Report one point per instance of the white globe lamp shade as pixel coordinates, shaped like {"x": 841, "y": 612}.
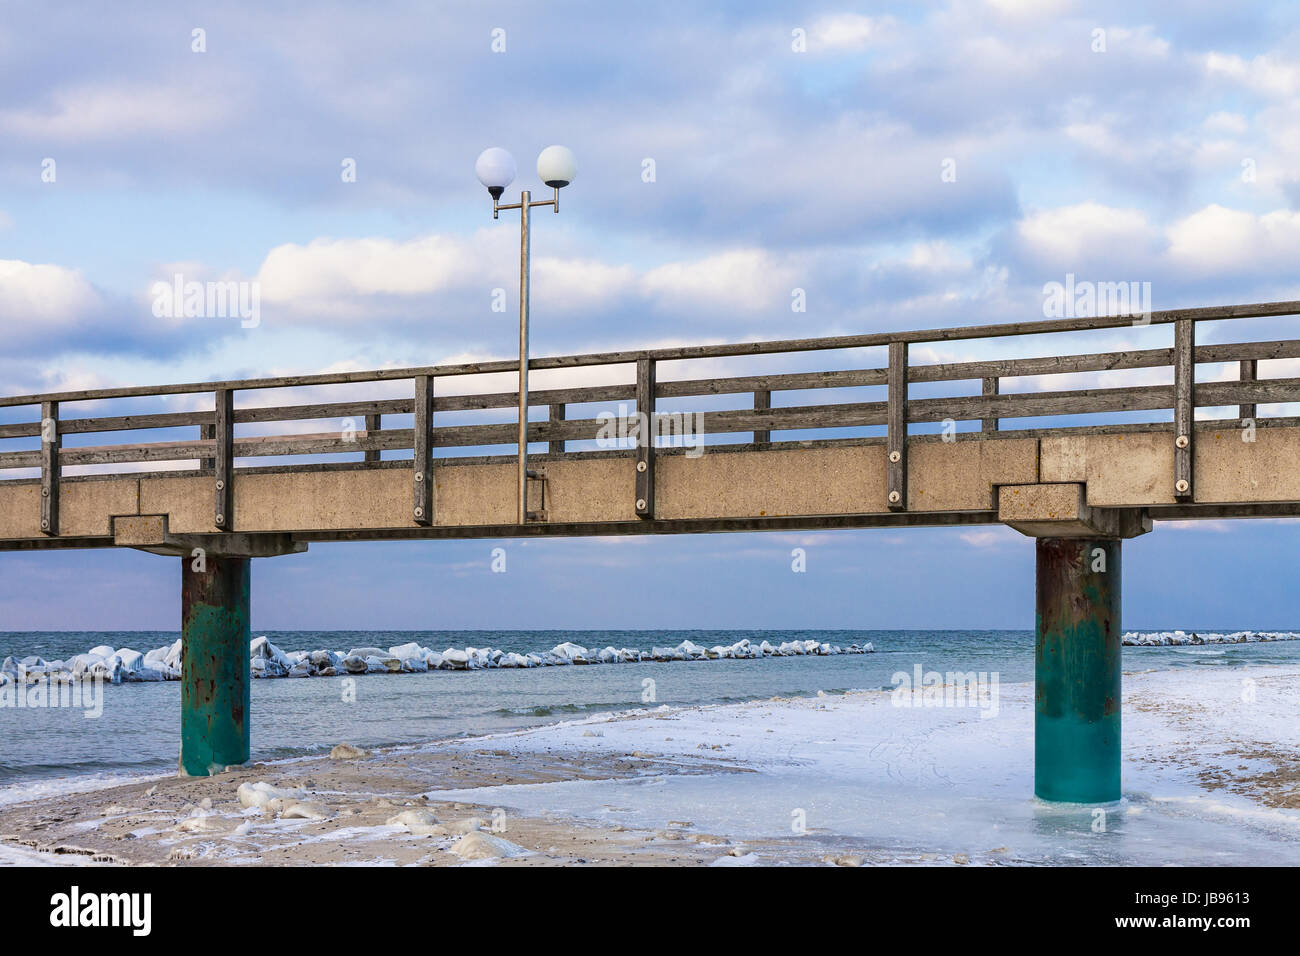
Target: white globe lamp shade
{"x": 495, "y": 169}
{"x": 556, "y": 166}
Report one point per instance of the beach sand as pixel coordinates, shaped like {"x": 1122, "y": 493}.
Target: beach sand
{"x": 198, "y": 821}
{"x": 1210, "y": 776}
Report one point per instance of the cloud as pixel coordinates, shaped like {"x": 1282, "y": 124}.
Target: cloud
{"x": 328, "y": 273}
{"x": 47, "y": 296}
{"x": 1266, "y": 73}
{"x": 1087, "y": 232}
{"x": 989, "y": 538}
{"x": 1224, "y": 241}
{"x": 846, "y": 32}
{"x": 747, "y": 279}
{"x": 97, "y": 112}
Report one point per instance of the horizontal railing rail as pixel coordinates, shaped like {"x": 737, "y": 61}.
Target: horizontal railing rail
{"x": 216, "y": 446}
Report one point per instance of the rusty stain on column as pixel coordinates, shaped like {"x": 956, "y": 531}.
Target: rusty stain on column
{"x": 215, "y": 673}
{"x": 1077, "y": 670}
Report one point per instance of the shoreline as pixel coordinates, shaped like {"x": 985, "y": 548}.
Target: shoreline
{"x": 718, "y": 784}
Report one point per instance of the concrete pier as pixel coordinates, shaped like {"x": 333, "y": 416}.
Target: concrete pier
{"x": 1077, "y": 670}
{"x": 215, "y": 671}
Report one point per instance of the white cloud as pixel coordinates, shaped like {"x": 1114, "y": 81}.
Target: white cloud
{"x": 1030, "y": 8}
{"x": 1219, "y": 240}
{"x": 846, "y": 31}
{"x": 749, "y": 279}
{"x": 346, "y": 278}
{"x": 1224, "y": 122}
{"x": 47, "y": 294}
{"x": 326, "y": 269}
{"x": 580, "y": 284}
{"x": 1266, "y": 73}
{"x": 1085, "y": 231}
{"x": 102, "y": 111}
{"x": 990, "y": 538}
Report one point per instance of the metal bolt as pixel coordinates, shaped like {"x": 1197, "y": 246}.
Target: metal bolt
{"x": 640, "y": 466}
{"x": 895, "y": 457}
{"x": 1181, "y": 486}
{"x": 45, "y": 523}
{"x": 419, "y": 476}
{"x": 895, "y": 497}
{"x": 220, "y": 485}
{"x": 640, "y": 504}
{"x": 1182, "y": 441}
{"x": 45, "y": 492}
{"x": 419, "y": 512}
{"x": 221, "y": 519}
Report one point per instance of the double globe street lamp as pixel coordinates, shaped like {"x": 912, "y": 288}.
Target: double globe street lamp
{"x": 495, "y": 168}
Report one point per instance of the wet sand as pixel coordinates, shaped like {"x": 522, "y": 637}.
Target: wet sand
{"x": 200, "y": 821}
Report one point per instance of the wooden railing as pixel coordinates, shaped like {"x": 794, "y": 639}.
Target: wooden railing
{"x": 216, "y": 447}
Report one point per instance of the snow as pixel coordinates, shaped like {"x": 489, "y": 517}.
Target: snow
{"x": 268, "y": 661}
{"x": 895, "y": 784}
{"x": 1179, "y": 638}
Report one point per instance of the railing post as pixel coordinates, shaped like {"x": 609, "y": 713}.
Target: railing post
{"x": 645, "y": 438}
{"x": 423, "y": 464}
{"x": 897, "y": 441}
{"x": 1184, "y": 405}
{"x": 224, "y": 467}
{"x": 50, "y": 467}
{"x": 557, "y": 415}
{"x": 990, "y": 425}
{"x": 373, "y": 425}
{"x": 762, "y": 403}
{"x": 1249, "y": 372}
{"x": 207, "y": 433}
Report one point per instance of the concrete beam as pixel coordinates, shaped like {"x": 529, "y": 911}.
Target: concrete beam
{"x": 1062, "y": 511}
{"x": 1233, "y": 465}
{"x": 150, "y": 533}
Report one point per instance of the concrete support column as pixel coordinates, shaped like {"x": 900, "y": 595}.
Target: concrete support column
{"x": 215, "y": 672}
{"x": 1077, "y": 670}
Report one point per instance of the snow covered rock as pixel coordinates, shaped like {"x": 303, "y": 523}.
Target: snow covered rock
{"x": 484, "y": 846}
{"x": 260, "y": 794}
{"x": 419, "y": 822}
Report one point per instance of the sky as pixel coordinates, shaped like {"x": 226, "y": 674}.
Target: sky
{"x": 905, "y": 165}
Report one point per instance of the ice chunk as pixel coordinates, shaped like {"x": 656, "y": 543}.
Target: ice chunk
{"x": 260, "y": 794}
{"x": 419, "y": 822}
{"x": 484, "y": 846}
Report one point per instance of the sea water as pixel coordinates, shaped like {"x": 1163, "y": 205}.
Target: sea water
{"x": 139, "y": 730}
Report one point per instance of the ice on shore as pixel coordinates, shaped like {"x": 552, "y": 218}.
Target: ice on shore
{"x": 1181, "y": 638}
{"x": 418, "y": 822}
{"x": 1204, "y": 778}
{"x": 268, "y": 661}
{"x": 477, "y": 845}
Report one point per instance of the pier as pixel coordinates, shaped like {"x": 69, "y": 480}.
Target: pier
{"x": 230, "y": 478}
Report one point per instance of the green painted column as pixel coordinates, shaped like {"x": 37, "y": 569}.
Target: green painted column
{"x": 1077, "y": 670}
{"x": 214, "y": 672}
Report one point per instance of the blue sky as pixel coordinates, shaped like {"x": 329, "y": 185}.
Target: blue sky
{"x": 1171, "y": 156}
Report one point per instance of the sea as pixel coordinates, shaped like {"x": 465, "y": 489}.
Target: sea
{"x": 138, "y": 730}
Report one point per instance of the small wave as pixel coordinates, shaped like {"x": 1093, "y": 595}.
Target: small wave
{"x": 551, "y": 710}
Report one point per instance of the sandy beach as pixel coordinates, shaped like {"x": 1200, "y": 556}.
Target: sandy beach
{"x": 1210, "y": 775}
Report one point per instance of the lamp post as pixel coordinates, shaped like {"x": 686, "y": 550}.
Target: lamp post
{"x": 495, "y": 169}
